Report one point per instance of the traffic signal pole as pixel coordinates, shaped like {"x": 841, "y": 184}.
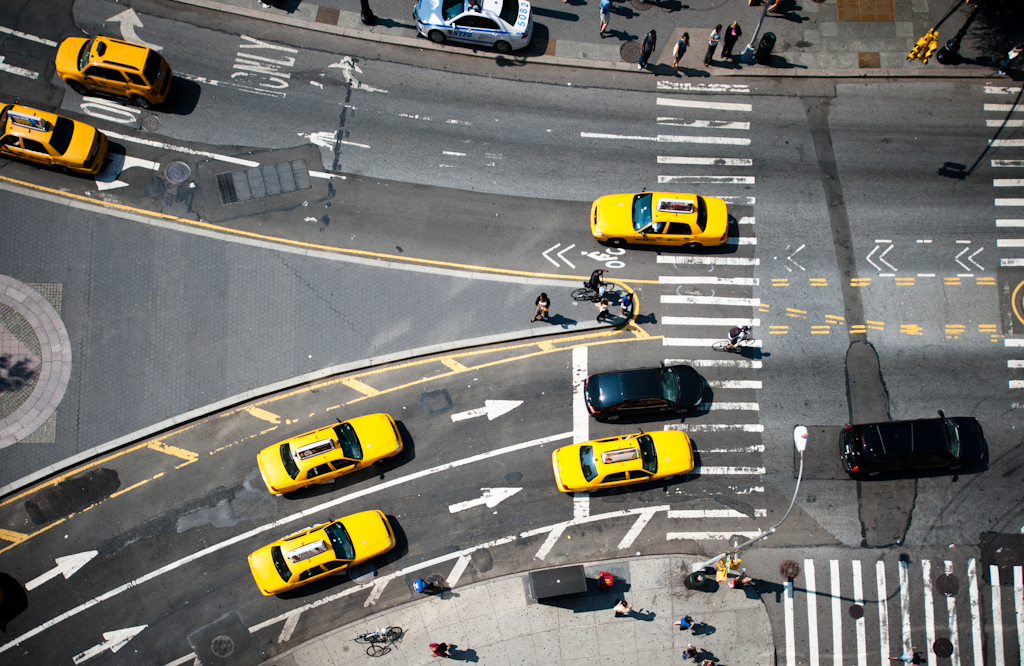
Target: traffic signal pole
{"x": 748, "y": 53}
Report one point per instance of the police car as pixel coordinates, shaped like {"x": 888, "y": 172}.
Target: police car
{"x": 507, "y": 24}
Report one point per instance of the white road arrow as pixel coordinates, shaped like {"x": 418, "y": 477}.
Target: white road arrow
{"x": 112, "y": 640}
{"x": 881, "y": 257}
{"x": 790, "y": 258}
{"x": 492, "y": 408}
{"x": 66, "y": 565}
{"x": 492, "y": 497}
{"x": 973, "y": 255}
{"x": 129, "y": 20}
{"x": 962, "y": 253}
{"x": 559, "y": 255}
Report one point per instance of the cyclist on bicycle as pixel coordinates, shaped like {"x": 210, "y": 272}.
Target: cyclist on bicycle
{"x": 738, "y": 334}
{"x": 595, "y": 284}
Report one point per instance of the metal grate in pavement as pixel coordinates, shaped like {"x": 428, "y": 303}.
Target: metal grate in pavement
{"x": 264, "y": 181}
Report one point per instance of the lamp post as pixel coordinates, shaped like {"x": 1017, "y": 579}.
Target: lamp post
{"x": 949, "y": 53}
{"x": 748, "y": 53}
{"x": 800, "y": 441}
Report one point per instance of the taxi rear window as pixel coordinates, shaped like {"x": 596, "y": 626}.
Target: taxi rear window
{"x": 83, "y": 55}
{"x": 60, "y": 138}
{"x": 152, "y": 68}
{"x": 702, "y": 213}
{"x": 509, "y": 11}
{"x": 588, "y": 463}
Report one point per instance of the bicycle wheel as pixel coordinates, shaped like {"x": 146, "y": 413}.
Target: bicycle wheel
{"x": 721, "y": 346}
{"x": 363, "y": 638}
{"x": 378, "y": 650}
{"x": 394, "y": 633}
{"x": 583, "y": 294}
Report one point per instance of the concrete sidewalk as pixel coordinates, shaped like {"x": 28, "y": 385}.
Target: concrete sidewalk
{"x": 835, "y": 38}
{"x": 495, "y": 622}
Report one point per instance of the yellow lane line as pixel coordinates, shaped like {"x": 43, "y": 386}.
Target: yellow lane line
{"x": 188, "y": 456}
{"x": 12, "y": 536}
{"x": 263, "y": 415}
{"x": 38, "y": 532}
{"x": 136, "y": 485}
{"x": 454, "y": 365}
{"x": 357, "y": 385}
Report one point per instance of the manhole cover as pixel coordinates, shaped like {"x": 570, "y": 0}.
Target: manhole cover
{"x": 789, "y": 570}
{"x": 1005, "y": 557}
{"x": 178, "y": 172}
{"x": 151, "y": 123}
{"x": 947, "y": 584}
{"x": 640, "y": 5}
{"x": 630, "y": 51}
{"x": 222, "y": 646}
{"x": 856, "y": 611}
{"x": 942, "y": 647}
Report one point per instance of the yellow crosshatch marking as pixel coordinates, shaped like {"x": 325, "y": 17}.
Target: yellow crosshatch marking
{"x": 780, "y": 282}
{"x": 905, "y": 281}
{"x": 764, "y": 307}
{"x": 986, "y": 281}
{"x": 793, "y": 312}
{"x": 353, "y": 383}
{"x": 821, "y": 330}
{"x": 546, "y": 346}
{"x": 860, "y": 282}
{"x": 858, "y": 328}
{"x": 876, "y": 325}
{"x": 819, "y": 282}
{"x": 835, "y": 320}
{"x": 986, "y": 328}
{"x": 269, "y": 417}
{"x": 778, "y": 330}
{"x": 13, "y": 537}
{"x": 187, "y": 456}
{"x": 453, "y": 364}
{"x": 953, "y": 331}
{"x": 951, "y": 280}
{"x": 639, "y": 332}
{"x": 911, "y": 329}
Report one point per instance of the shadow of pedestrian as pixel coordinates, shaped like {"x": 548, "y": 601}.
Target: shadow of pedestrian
{"x": 462, "y": 655}
{"x": 646, "y": 319}
{"x": 559, "y": 320}
{"x": 643, "y": 615}
{"x": 778, "y": 62}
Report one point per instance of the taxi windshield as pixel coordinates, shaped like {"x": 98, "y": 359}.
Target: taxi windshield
{"x": 60, "y": 138}
{"x": 349, "y": 442}
{"x": 343, "y": 549}
{"x": 288, "y": 461}
{"x": 83, "y": 55}
{"x": 648, "y": 456}
{"x": 588, "y": 463}
{"x": 509, "y": 11}
{"x": 641, "y": 211}
{"x": 451, "y": 8}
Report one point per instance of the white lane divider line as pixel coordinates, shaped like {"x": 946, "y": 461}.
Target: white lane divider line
{"x": 714, "y": 363}
{"x": 954, "y": 635}
{"x": 697, "y": 514}
{"x": 975, "y": 599}
{"x": 997, "y": 616}
{"x": 686, "y": 86}
{"x": 17, "y": 71}
{"x": 683, "y": 260}
{"x": 555, "y": 531}
{"x": 580, "y": 416}
{"x": 714, "y": 140}
{"x": 704, "y": 124}
{"x": 905, "y": 604}
{"x": 735, "y": 384}
{"x": 706, "y": 470}
{"x": 929, "y": 609}
{"x": 739, "y": 201}
{"x": 883, "y": 614}
{"x": 811, "y": 593}
{"x": 860, "y": 624}
{"x": 708, "y": 279}
{"x": 707, "y": 161}
{"x": 181, "y": 149}
{"x": 837, "y": 614}
{"x": 698, "y": 104}
{"x": 289, "y": 627}
{"x": 787, "y": 605}
{"x": 710, "y": 321}
{"x": 741, "y": 240}
{"x": 638, "y": 525}
{"x": 712, "y": 180}
{"x": 709, "y": 536}
{"x": 687, "y": 299}
{"x": 26, "y": 36}
{"x": 722, "y": 427}
{"x": 1018, "y": 603}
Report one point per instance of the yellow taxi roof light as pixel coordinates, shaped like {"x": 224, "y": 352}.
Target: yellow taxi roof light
{"x": 619, "y": 455}
{"x": 29, "y": 121}
{"x": 675, "y": 206}
{"x": 314, "y": 449}
{"x": 307, "y": 551}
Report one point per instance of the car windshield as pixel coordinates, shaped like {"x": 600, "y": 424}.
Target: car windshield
{"x": 702, "y": 213}
{"x": 349, "y": 442}
{"x": 509, "y": 11}
{"x": 648, "y": 456}
{"x": 83, "y": 55}
{"x": 452, "y": 8}
{"x": 288, "y": 461}
{"x": 588, "y": 463}
{"x": 152, "y": 69}
{"x": 952, "y": 438}
{"x": 343, "y": 548}
{"x": 669, "y": 384}
{"x": 279, "y": 563}
{"x": 60, "y": 138}
{"x": 642, "y": 211}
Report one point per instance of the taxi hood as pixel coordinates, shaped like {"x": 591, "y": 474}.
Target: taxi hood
{"x": 615, "y": 214}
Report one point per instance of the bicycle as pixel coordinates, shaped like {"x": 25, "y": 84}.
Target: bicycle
{"x": 723, "y": 345}
{"x": 380, "y": 641}
{"x": 587, "y": 294}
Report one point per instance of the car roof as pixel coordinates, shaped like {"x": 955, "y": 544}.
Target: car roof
{"x": 613, "y": 387}
{"x": 17, "y": 129}
{"x": 904, "y": 438}
{"x": 119, "y": 53}
{"x": 431, "y": 9}
{"x": 313, "y": 448}
{"x": 609, "y": 459}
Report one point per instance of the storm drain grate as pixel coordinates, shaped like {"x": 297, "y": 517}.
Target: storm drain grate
{"x": 264, "y": 181}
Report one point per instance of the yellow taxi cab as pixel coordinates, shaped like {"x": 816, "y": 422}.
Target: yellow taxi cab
{"x": 327, "y": 453}
{"x": 114, "y": 67}
{"x": 51, "y": 140}
{"x": 320, "y": 551}
{"x": 660, "y": 218}
{"x": 621, "y": 461}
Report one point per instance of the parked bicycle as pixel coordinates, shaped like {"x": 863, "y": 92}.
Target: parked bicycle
{"x": 380, "y": 641}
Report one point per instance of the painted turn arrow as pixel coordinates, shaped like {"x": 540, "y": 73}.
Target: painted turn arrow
{"x": 129, "y": 20}
{"x": 492, "y": 497}
{"x": 112, "y": 640}
{"x": 66, "y": 565}
{"x": 492, "y": 408}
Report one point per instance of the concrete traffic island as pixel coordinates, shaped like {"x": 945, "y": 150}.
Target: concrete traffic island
{"x": 496, "y": 622}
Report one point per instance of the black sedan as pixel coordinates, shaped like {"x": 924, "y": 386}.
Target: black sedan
{"x": 625, "y": 393}
{"x": 902, "y": 446}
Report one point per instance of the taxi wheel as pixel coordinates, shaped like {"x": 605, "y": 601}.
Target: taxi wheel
{"x": 617, "y": 242}
{"x": 141, "y": 102}
{"x": 503, "y": 47}
{"x": 436, "y": 36}
{"x": 78, "y": 88}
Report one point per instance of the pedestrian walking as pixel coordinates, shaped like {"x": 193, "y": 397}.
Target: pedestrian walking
{"x": 685, "y": 623}
{"x": 691, "y": 653}
{"x": 1013, "y": 53}
{"x": 707, "y": 662}
{"x": 741, "y": 581}
{"x": 606, "y": 14}
{"x": 622, "y": 608}
{"x": 542, "y": 306}
{"x": 647, "y": 48}
{"x": 626, "y": 304}
{"x": 602, "y": 310}
{"x": 716, "y": 35}
{"x": 907, "y": 657}
{"x": 440, "y": 650}
{"x": 679, "y": 50}
{"x": 729, "y": 39}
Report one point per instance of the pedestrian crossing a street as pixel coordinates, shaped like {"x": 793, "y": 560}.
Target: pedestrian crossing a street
{"x": 935, "y": 610}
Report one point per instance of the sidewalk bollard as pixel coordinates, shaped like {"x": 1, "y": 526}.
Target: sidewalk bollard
{"x": 695, "y": 581}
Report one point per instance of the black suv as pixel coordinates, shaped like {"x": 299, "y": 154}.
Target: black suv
{"x": 900, "y": 446}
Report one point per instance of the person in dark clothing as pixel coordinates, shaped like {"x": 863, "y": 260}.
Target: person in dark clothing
{"x": 647, "y": 48}
{"x": 729, "y": 39}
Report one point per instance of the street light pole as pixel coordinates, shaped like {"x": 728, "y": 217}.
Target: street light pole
{"x": 748, "y": 53}
{"x": 949, "y": 53}
{"x": 800, "y": 441}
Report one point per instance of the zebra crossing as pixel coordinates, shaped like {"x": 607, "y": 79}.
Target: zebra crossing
{"x": 863, "y": 615}
{"x": 1009, "y": 209}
